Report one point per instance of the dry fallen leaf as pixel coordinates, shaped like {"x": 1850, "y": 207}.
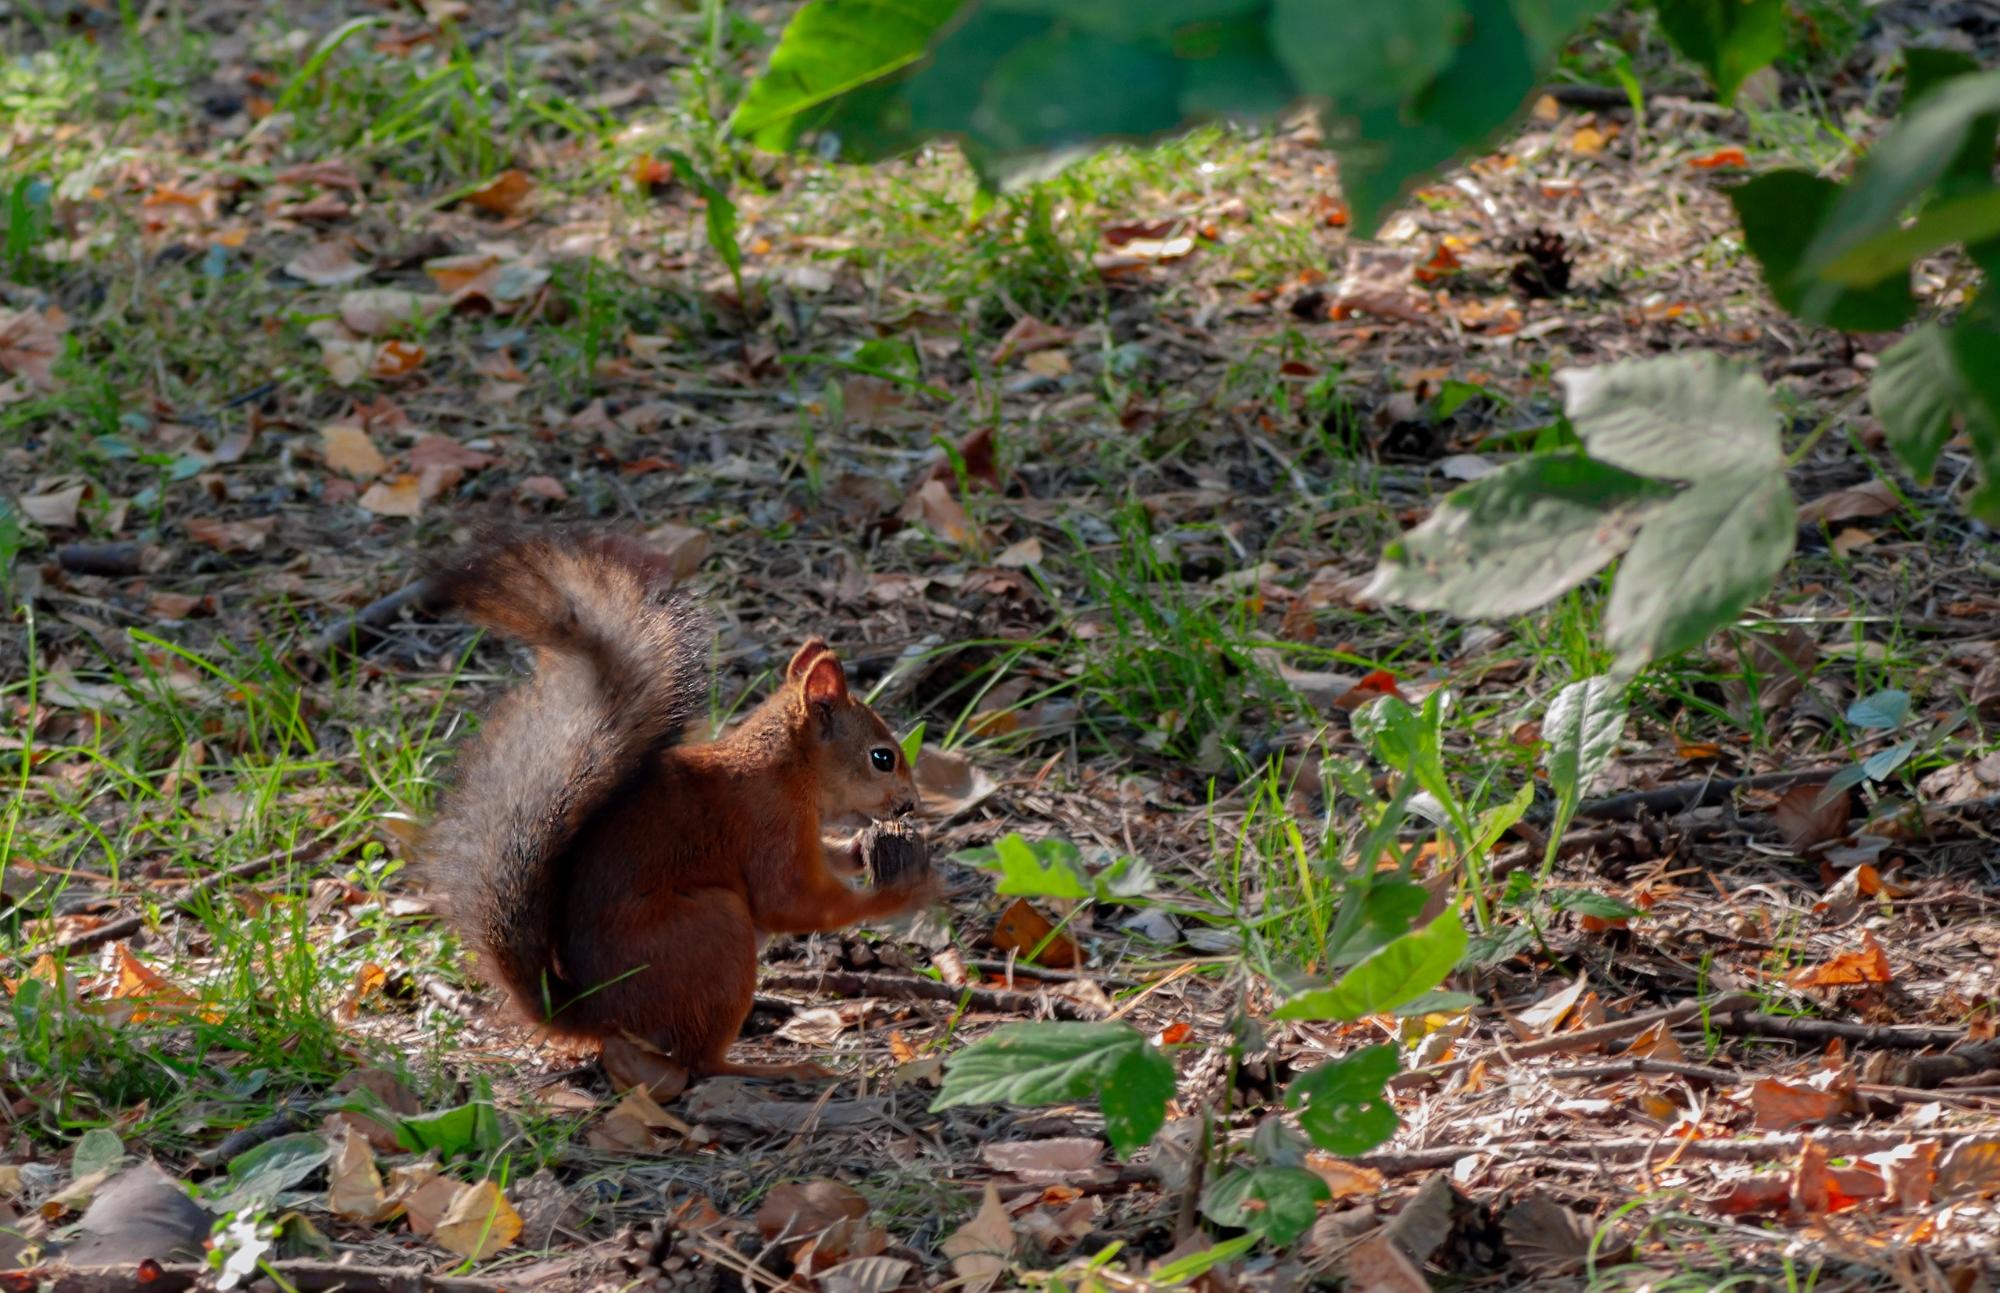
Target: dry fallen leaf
{"x": 546, "y": 488}
{"x": 347, "y": 448}
{"x": 231, "y": 536}
{"x": 1061, "y": 1159}
{"x": 326, "y": 264}
{"x": 505, "y": 194}
{"x": 950, "y": 783}
{"x": 799, "y": 1209}
{"x": 56, "y": 510}
{"x": 1780, "y": 1106}
{"x": 1021, "y": 928}
{"x": 30, "y": 344}
{"x": 479, "y": 1223}
{"x": 684, "y": 547}
{"x": 400, "y": 495}
{"x": 942, "y": 514}
{"x": 377, "y": 311}
{"x": 981, "y": 1248}
{"x": 1869, "y": 964}
{"x": 1808, "y": 816}
{"x": 354, "y": 1186}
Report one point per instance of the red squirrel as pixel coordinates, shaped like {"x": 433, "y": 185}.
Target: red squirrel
{"x": 615, "y": 881}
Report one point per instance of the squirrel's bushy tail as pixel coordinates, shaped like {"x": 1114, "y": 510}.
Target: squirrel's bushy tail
{"x": 621, "y": 668}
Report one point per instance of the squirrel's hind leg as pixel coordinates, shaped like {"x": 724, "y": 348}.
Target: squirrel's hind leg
{"x": 697, "y": 987}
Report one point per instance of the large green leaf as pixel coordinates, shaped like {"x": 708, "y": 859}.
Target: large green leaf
{"x": 1356, "y": 54}
{"x": 1975, "y": 353}
{"x": 1682, "y": 417}
{"x": 830, "y": 48}
{"x": 1780, "y": 210}
{"x": 1343, "y": 1105}
{"x": 1393, "y": 975}
{"x": 1910, "y": 158}
{"x": 1139, "y": 20}
{"x": 1275, "y": 1202}
{"x": 1698, "y": 563}
{"x": 1914, "y": 392}
{"x": 1054, "y": 1063}
{"x": 1729, "y": 38}
{"x": 1582, "y": 728}
{"x": 1517, "y": 538}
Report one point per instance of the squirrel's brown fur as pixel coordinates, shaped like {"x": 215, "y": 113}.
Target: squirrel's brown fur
{"x": 611, "y": 878}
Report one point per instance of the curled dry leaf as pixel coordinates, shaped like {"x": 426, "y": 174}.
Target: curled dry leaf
{"x": 347, "y": 448}
{"x": 1022, "y": 929}
{"x": 798, "y": 1209}
{"x": 1061, "y": 1160}
{"x": 981, "y": 1248}
{"x": 865, "y": 1275}
{"x": 951, "y": 783}
{"x": 1808, "y": 816}
{"x": 1778, "y": 1105}
{"x": 1868, "y": 964}
{"x": 400, "y": 495}
{"x": 634, "y": 1064}
{"x": 479, "y": 1223}
{"x": 30, "y": 344}
{"x": 354, "y": 1186}
{"x": 55, "y": 510}
{"x": 941, "y": 514}
{"x": 1871, "y": 498}
{"x": 231, "y": 536}
{"x": 376, "y": 311}
{"x": 327, "y": 264}
{"x": 505, "y": 194}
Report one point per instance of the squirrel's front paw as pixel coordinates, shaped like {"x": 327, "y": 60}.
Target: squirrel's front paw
{"x": 896, "y": 856}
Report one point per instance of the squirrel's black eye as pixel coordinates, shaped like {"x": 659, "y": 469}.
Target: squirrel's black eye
{"x": 883, "y": 758}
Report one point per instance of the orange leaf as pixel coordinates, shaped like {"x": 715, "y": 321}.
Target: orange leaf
{"x": 505, "y": 194}
{"x": 1870, "y": 964}
{"x": 1720, "y": 159}
{"x": 1022, "y": 929}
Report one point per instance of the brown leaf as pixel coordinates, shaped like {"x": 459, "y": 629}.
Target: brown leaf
{"x": 1379, "y": 1266}
{"x": 1808, "y": 816}
{"x": 30, "y": 344}
{"x": 378, "y": 311}
{"x": 1777, "y": 1105}
{"x": 1971, "y": 1167}
{"x": 634, "y": 1065}
{"x": 546, "y": 488}
{"x": 505, "y": 194}
{"x": 327, "y": 264}
{"x": 1063, "y": 1159}
{"x": 1027, "y": 335}
{"x": 479, "y": 1223}
{"x": 347, "y": 448}
{"x": 942, "y": 514}
{"x": 1869, "y": 964}
{"x": 798, "y": 1209}
{"x": 425, "y": 1196}
{"x": 354, "y": 1186}
{"x": 1871, "y": 498}
{"x": 443, "y": 451}
{"x": 1028, "y": 552}
{"x": 981, "y": 1248}
{"x": 865, "y": 1275}
{"x": 231, "y": 536}
{"x": 400, "y": 495}
{"x": 393, "y": 359}
{"x": 950, "y": 783}
{"x": 54, "y": 511}
{"x": 684, "y": 547}
{"x": 1021, "y": 928}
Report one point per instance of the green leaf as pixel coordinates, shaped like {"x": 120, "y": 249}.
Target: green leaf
{"x": 1125, "y": 879}
{"x": 1582, "y": 728}
{"x": 1689, "y": 416}
{"x": 913, "y": 743}
{"x": 829, "y": 48}
{"x": 1903, "y": 165}
{"x": 97, "y": 1150}
{"x": 1883, "y": 710}
{"x": 1731, "y": 39}
{"x": 1195, "y": 1265}
{"x": 1698, "y": 563}
{"x": 1975, "y": 354}
{"x": 1055, "y": 1063}
{"x": 1231, "y": 74}
{"x": 1880, "y": 764}
{"x": 258, "y": 1176}
{"x": 1586, "y": 903}
{"x": 1914, "y": 392}
{"x": 1068, "y": 87}
{"x": 1779, "y": 211}
{"x": 1968, "y": 218}
{"x": 1357, "y": 54}
{"x": 1344, "y": 1105}
{"x": 1278, "y": 1203}
{"x": 464, "y": 1129}
{"x": 1139, "y": 20}
{"x": 1517, "y": 538}
{"x": 1400, "y": 971}
{"x": 1043, "y": 869}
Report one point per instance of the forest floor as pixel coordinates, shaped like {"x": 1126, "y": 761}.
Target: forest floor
{"x": 1087, "y": 483}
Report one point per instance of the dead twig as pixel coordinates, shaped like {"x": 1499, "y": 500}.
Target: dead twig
{"x": 374, "y": 615}
{"x": 1763, "y": 1150}
{"x": 1582, "y": 1038}
{"x": 1752, "y": 1023}
{"x": 900, "y": 987}
{"x": 1683, "y": 795}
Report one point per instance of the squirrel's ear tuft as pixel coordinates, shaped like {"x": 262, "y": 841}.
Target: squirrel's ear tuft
{"x": 825, "y": 681}
{"x": 814, "y": 648}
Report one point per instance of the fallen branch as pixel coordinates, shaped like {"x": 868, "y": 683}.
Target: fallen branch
{"x": 1891, "y": 1093}
{"x": 1751, "y": 1023}
{"x": 374, "y": 615}
{"x": 1683, "y": 795}
{"x": 126, "y": 926}
{"x": 1582, "y": 1038}
{"x": 1765, "y": 1150}
{"x": 903, "y": 987}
